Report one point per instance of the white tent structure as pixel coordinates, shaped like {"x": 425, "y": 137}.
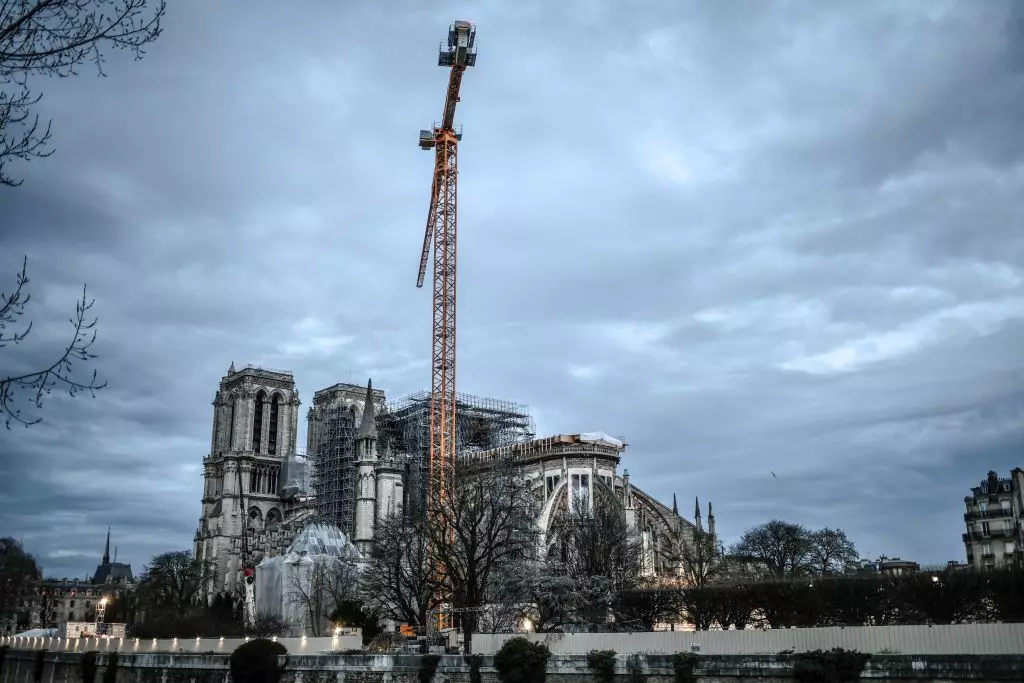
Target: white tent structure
{"x": 285, "y": 585}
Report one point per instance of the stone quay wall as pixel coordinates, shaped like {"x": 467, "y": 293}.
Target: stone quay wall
{"x": 19, "y": 666}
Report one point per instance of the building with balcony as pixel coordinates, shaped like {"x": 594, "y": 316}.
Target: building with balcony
{"x": 995, "y": 536}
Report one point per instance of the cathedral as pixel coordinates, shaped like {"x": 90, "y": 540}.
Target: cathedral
{"x": 363, "y": 463}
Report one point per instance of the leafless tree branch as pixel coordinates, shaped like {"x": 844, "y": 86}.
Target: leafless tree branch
{"x": 58, "y": 374}
{"x": 53, "y": 38}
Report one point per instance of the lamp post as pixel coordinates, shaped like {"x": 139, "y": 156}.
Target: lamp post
{"x": 101, "y": 613}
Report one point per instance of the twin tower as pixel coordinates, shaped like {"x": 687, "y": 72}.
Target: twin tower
{"x": 256, "y": 495}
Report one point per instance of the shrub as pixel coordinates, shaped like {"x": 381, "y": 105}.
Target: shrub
{"x": 3, "y": 655}
{"x": 88, "y": 664}
{"x": 37, "y": 671}
{"x": 428, "y": 667}
{"x": 475, "y": 662}
{"x": 256, "y": 662}
{"x": 110, "y": 673}
{"x": 829, "y": 666}
{"x": 602, "y": 663}
{"x": 520, "y": 661}
{"x": 635, "y": 669}
{"x": 683, "y": 665}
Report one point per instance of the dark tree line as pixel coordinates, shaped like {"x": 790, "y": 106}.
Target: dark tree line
{"x": 949, "y": 597}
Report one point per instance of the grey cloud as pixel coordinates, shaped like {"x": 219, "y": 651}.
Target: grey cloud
{"x": 784, "y": 239}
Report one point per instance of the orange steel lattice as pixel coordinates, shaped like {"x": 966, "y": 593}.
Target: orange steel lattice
{"x": 442, "y": 228}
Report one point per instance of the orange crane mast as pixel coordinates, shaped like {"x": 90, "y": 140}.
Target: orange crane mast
{"x": 442, "y": 230}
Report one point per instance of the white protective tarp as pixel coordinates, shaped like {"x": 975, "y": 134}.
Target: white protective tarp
{"x": 279, "y": 579}
{"x": 295, "y": 481}
{"x": 601, "y": 438}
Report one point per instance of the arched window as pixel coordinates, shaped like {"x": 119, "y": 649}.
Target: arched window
{"x": 273, "y": 518}
{"x": 257, "y": 423}
{"x": 272, "y": 441}
{"x": 255, "y": 518}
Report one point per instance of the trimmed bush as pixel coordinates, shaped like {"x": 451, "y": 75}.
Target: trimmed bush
{"x": 88, "y": 665}
{"x": 428, "y": 667}
{"x": 475, "y": 662}
{"x": 683, "y": 666}
{"x": 40, "y": 663}
{"x": 257, "y": 662}
{"x": 520, "y": 661}
{"x": 110, "y": 673}
{"x": 635, "y": 669}
{"x": 602, "y": 663}
{"x": 829, "y": 666}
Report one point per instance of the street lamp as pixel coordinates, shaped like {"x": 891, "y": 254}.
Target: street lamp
{"x": 101, "y": 611}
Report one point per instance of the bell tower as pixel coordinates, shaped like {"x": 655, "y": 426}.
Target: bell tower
{"x": 255, "y": 421}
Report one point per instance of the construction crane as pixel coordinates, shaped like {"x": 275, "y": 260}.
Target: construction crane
{"x": 441, "y": 230}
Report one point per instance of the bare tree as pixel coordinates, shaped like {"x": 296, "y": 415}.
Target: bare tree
{"x": 38, "y": 382}
{"x": 266, "y": 625}
{"x": 487, "y": 524}
{"x": 701, "y": 558}
{"x": 395, "y": 582}
{"x": 829, "y": 551}
{"x": 780, "y": 548}
{"x": 600, "y": 553}
{"x": 317, "y": 592}
{"x": 172, "y": 583}
{"x": 46, "y": 607}
{"x": 54, "y": 38}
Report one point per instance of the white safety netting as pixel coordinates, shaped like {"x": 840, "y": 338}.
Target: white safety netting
{"x": 286, "y": 585}
{"x": 296, "y": 476}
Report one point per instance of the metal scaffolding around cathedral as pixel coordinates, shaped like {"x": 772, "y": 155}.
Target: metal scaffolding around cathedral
{"x": 482, "y": 423}
{"x": 331, "y": 448}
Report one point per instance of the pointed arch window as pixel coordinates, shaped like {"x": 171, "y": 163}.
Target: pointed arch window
{"x": 257, "y": 423}
{"x": 274, "y": 411}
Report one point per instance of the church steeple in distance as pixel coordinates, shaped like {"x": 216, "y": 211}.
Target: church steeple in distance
{"x": 696, "y": 513}
{"x": 368, "y": 426}
{"x": 106, "y": 549}
{"x": 675, "y": 505}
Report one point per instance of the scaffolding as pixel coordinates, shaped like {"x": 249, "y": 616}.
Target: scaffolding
{"x": 331, "y": 450}
{"x": 331, "y": 433}
{"x": 481, "y": 424}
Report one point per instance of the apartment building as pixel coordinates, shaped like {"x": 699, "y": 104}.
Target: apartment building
{"x": 995, "y": 536}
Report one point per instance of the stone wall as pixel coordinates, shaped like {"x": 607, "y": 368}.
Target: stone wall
{"x": 64, "y": 667}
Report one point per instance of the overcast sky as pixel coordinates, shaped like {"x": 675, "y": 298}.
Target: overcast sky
{"x": 749, "y": 237}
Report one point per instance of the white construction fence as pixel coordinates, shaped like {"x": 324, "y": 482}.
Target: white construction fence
{"x": 296, "y": 646}
{"x": 961, "y": 639}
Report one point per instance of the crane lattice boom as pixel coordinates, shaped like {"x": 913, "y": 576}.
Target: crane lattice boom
{"x": 442, "y": 229}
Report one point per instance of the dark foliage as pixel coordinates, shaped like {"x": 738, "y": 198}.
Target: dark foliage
{"x": 520, "y": 661}
{"x": 829, "y": 666}
{"x": 641, "y": 609}
{"x": 950, "y": 597}
{"x": 684, "y": 665}
{"x": 353, "y": 613}
{"x": 3, "y": 656}
{"x": 475, "y": 662}
{"x": 635, "y": 669}
{"x": 40, "y": 664}
{"x": 428, "y": 667}
{"x": 602, "y": 663}
{"x": 88, "y": 665}
{"x": 1006, "y": 594}
{"x": 257, "y": 662}
{"x": 110, "y": 673}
